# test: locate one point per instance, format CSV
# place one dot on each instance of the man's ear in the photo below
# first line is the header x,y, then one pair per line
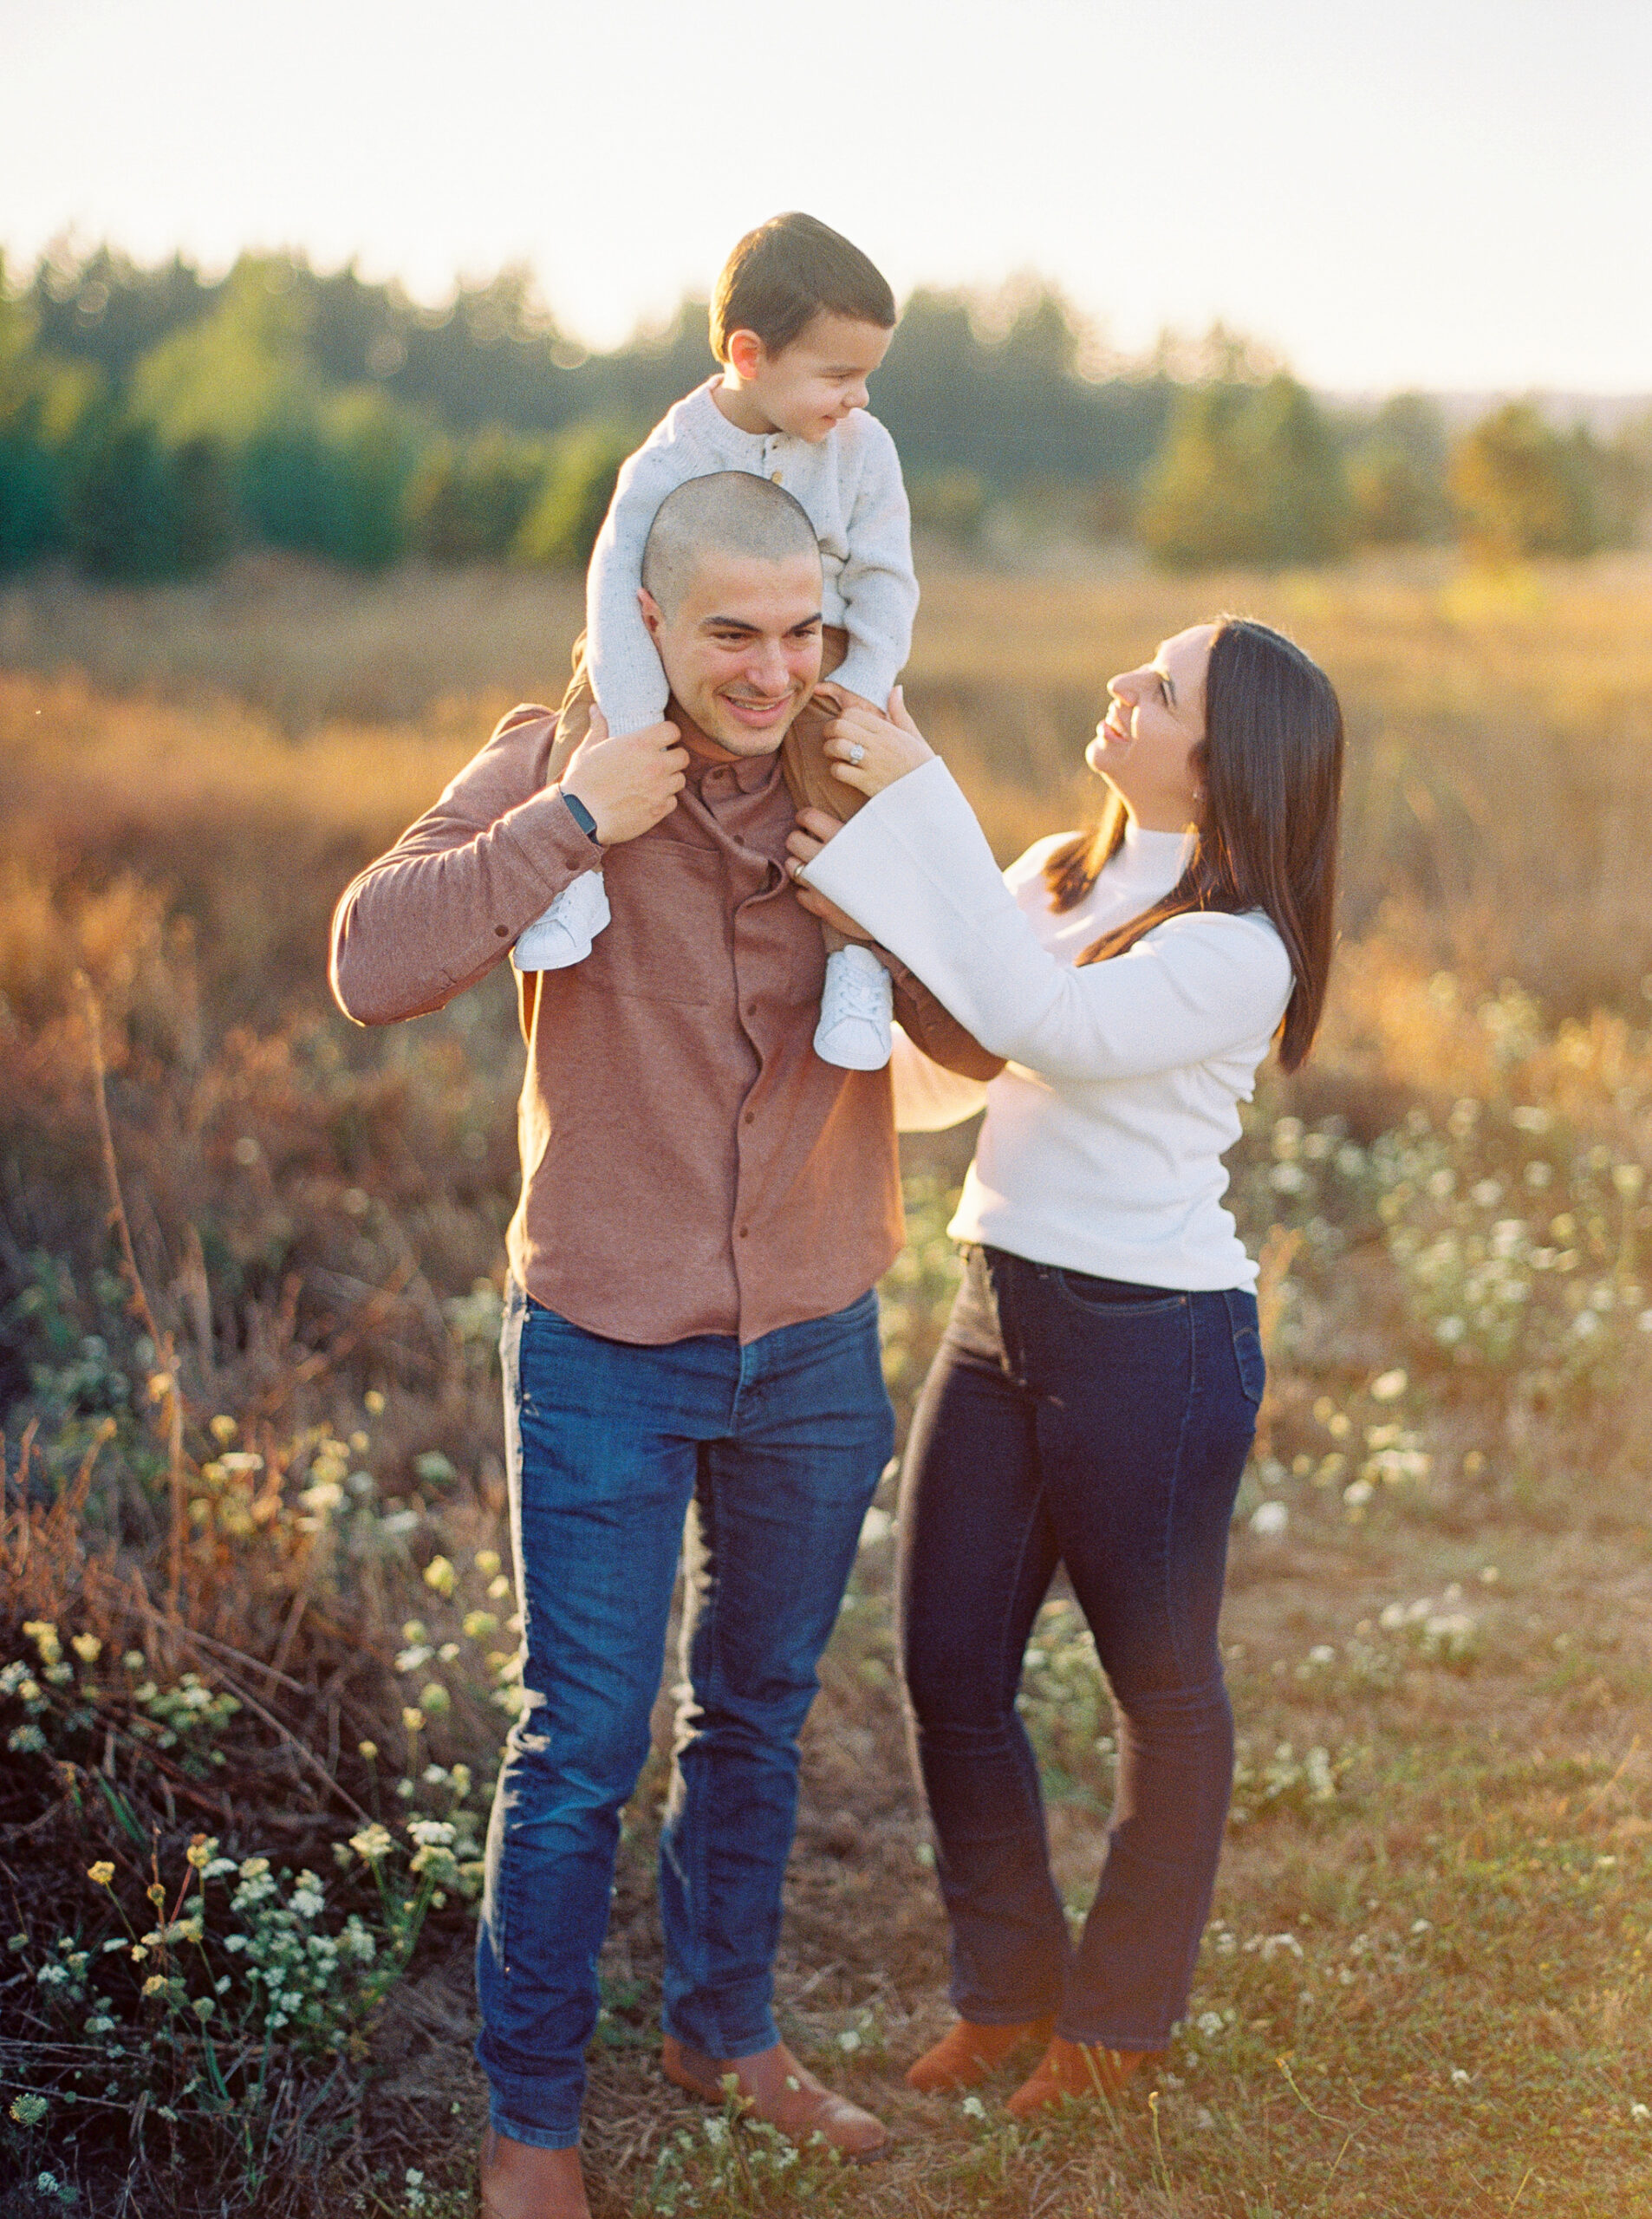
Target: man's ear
x,y
746,353
653,616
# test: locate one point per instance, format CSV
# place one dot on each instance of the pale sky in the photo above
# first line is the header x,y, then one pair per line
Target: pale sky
x,y
1438,193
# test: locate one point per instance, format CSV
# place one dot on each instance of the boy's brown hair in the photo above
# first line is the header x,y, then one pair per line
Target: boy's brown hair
x,y
784,273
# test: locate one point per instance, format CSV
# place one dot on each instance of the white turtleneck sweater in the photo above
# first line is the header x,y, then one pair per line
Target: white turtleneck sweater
x,y
1101,1147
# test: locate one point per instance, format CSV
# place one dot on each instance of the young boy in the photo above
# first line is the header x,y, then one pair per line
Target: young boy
x,y
799,321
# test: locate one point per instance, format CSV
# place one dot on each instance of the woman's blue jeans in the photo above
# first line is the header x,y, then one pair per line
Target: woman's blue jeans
x,y
773,1451
1104,1427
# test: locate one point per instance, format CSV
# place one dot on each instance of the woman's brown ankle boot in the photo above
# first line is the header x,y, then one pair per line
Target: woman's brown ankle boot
x,y
1073,2069
966,2054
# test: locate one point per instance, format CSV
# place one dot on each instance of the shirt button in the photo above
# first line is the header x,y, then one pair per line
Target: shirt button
x,y
745,1229
502,932
751,1117
750,1009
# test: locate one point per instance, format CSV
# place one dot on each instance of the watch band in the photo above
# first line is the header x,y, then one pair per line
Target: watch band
x,y
581,815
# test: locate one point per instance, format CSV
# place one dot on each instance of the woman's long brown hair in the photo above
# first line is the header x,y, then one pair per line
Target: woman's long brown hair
x,y
1271,763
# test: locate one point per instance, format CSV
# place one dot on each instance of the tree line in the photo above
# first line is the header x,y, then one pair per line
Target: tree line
x,y
152,420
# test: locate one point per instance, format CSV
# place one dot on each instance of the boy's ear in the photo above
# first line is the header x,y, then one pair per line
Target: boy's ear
x,y
746,353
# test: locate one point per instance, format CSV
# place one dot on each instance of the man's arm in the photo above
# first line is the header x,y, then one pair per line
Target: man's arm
x,y
931,1026
442,907
447,902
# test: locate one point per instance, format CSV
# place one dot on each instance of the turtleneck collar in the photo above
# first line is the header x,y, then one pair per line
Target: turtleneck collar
x,y
1152,855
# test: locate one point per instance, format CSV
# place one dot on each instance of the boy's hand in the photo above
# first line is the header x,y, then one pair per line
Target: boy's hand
x,y
870,752
629,783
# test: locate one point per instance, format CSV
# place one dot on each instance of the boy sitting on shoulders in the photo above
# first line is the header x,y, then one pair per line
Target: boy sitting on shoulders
x,y
800,320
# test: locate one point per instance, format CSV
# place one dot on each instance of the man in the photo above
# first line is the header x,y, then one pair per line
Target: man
x,y
690,1327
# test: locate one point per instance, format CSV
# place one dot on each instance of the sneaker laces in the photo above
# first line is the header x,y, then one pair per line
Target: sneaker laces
x,y
860,989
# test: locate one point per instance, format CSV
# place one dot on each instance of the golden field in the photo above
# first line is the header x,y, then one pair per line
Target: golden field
x,y
1426,1988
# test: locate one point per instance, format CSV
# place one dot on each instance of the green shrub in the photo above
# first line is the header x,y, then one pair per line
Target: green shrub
x,y
560,530
1248,474
468,499
139,509
332,480
1523,488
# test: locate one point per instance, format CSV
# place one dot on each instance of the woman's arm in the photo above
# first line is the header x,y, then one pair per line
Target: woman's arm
x,y
914,869
927,1023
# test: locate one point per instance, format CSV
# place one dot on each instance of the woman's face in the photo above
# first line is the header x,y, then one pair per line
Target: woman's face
x,y
1143,747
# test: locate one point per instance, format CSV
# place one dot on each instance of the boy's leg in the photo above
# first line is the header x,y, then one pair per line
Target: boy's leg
x,y
601,1443
564,935
806,766
578,702
778,1508
856,1003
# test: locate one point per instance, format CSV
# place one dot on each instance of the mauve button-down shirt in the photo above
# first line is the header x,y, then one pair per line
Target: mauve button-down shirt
x,y
689,1164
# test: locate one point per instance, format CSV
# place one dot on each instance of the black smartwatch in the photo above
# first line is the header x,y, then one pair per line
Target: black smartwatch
x,y
582,816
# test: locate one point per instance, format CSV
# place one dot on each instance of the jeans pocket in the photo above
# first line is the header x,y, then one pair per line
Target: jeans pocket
x,y
1116,1297
1252,1365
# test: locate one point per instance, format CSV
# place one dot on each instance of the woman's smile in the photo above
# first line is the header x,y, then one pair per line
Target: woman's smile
x,y
1112,733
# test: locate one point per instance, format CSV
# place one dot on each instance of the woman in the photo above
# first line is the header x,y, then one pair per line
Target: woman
x,y
1095,1397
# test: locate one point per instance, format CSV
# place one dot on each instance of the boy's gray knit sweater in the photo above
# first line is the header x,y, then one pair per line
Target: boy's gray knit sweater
x,y
849,483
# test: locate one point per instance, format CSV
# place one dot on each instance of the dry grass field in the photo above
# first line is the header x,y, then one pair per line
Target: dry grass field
x,y
253,1620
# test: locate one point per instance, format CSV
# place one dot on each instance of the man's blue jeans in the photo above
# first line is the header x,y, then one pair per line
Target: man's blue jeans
x,y
773,1451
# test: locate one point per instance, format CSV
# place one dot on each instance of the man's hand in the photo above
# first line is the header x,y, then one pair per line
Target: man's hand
x,y
815,827
629,783
870,752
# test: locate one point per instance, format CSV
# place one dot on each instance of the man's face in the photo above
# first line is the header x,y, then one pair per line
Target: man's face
x,y
741,647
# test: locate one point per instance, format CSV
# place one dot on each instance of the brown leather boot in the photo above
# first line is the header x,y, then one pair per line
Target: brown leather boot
x,y
779,2090
521,2181
1073,2069
966,2054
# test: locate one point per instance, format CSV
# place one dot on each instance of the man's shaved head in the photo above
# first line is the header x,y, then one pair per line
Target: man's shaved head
x,y
730,513
731,595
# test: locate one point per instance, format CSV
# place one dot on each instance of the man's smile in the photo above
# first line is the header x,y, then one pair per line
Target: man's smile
x,y
757,710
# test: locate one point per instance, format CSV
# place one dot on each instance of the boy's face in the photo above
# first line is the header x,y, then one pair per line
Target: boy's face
x,y
741,647
809,387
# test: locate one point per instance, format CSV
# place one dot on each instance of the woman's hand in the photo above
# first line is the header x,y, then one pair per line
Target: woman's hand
x,y
869,751
814,829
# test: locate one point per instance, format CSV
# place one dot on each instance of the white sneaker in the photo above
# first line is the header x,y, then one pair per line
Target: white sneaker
x,y
856,1008
565,934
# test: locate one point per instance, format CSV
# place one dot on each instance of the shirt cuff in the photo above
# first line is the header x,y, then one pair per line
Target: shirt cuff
x,y
546,836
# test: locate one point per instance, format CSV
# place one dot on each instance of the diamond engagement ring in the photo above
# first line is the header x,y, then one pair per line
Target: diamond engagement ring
x,y
856,752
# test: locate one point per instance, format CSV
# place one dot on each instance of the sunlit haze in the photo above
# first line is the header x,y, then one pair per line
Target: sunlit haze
x,y
1443,193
